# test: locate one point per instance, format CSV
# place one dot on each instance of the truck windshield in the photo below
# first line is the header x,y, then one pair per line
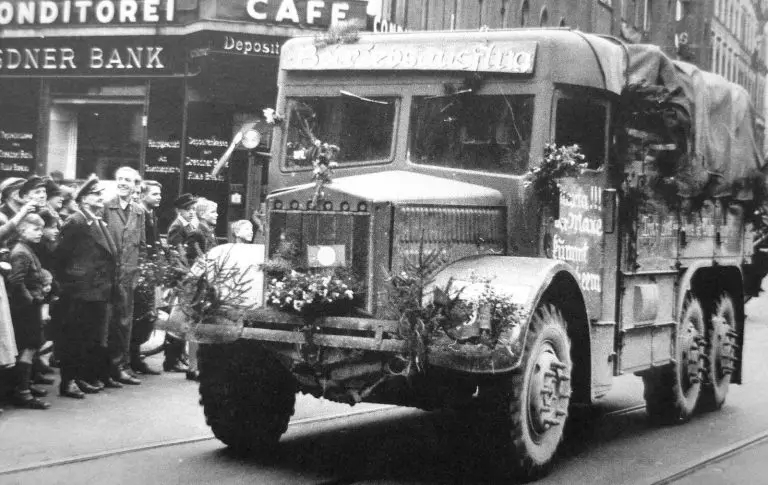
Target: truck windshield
x,y
473,132
361,127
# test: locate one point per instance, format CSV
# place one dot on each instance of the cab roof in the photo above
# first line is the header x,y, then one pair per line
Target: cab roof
x,y
559,55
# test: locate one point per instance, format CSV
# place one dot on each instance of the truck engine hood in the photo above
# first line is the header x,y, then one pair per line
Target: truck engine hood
x,y
401,187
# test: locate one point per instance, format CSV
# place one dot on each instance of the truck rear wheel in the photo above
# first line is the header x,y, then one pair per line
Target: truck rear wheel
x,y
247,396
534,401
671,392
720,354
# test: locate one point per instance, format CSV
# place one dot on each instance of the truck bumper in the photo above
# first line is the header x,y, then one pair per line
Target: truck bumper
x,y
352,333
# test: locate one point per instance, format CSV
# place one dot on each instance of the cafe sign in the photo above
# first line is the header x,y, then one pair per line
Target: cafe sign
x,y
85,12
294,13
114,56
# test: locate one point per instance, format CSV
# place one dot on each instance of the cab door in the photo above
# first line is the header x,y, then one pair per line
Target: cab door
x,y
584,233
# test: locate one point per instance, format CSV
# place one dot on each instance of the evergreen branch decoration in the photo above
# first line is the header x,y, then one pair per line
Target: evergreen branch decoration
x,y
339,33
559,162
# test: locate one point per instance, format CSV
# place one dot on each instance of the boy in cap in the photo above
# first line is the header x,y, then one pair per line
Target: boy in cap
x,y
178,233
25,284
9,196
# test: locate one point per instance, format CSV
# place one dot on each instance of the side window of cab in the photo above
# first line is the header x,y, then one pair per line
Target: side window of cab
x,y
582,120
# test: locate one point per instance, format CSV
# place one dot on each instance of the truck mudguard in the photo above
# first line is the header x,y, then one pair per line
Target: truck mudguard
x,y
529,283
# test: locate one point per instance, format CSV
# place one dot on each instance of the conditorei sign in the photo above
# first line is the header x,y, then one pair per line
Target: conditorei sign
x,y
114,56
85,12
507,57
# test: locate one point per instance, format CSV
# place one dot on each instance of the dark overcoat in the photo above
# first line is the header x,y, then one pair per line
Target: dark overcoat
x,y
86,258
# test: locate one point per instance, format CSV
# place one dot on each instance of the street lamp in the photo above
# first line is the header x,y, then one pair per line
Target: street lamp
x,y
248,137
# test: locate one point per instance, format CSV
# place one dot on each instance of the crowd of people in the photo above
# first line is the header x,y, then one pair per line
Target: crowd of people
x,y
71,265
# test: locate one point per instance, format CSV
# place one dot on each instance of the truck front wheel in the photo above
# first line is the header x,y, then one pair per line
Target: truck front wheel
x,y
671,392
539,394
247,396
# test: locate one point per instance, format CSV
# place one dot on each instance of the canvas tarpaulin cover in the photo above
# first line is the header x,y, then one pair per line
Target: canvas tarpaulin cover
x,y
723,158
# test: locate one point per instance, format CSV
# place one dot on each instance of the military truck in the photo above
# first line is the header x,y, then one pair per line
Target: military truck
x,y
405,154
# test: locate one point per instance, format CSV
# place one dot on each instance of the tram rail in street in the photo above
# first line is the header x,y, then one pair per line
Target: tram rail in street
x,y
664,479
717,456
186,441
178,442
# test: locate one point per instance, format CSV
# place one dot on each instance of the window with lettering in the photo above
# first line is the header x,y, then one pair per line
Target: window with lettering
x,y
472,132
362,128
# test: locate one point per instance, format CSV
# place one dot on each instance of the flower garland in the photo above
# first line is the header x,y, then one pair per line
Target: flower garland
x,y
308,292
559,162
312,293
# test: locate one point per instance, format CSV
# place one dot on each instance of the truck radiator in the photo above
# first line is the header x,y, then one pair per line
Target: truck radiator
x,y
457,232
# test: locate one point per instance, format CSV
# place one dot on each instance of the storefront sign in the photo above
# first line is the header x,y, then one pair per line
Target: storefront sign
x,y
86,12
509,57
105,56
17,151
383,25
253,45
304,13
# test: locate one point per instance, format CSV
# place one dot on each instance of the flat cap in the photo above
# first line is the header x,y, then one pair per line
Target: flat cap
x,y
90,186
10,184
32,183
185,201
52,188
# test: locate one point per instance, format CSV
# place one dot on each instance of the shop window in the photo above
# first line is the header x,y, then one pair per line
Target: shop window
x,y
562,22
679,10
94,128
209,134
18,128
582,121
544,17
163,150
525,10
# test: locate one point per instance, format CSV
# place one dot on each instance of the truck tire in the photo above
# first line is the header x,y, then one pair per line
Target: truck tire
x,y
247,396
720,354
671,392
530,407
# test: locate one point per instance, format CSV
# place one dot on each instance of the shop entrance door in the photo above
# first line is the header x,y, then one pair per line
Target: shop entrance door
x,y
88,137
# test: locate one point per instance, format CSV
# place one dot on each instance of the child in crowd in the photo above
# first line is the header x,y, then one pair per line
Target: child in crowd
x,y
26,288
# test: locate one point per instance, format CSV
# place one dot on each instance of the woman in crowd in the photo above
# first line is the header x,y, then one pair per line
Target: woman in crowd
x,y
8,349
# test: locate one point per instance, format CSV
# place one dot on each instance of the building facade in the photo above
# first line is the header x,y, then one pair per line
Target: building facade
x,y
723,36
160,85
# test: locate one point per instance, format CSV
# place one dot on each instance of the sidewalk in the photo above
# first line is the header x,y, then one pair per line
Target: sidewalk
x,y
162,408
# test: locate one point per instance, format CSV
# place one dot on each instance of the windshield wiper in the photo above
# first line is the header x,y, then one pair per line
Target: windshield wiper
x,y
361,98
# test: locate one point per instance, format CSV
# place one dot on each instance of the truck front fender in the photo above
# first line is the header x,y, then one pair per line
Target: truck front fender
x,y
529,283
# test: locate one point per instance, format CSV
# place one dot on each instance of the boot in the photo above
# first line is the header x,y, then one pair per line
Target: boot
x,y
138,366
22,396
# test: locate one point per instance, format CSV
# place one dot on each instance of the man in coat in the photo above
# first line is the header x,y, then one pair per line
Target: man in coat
x,y
125,222
87,266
